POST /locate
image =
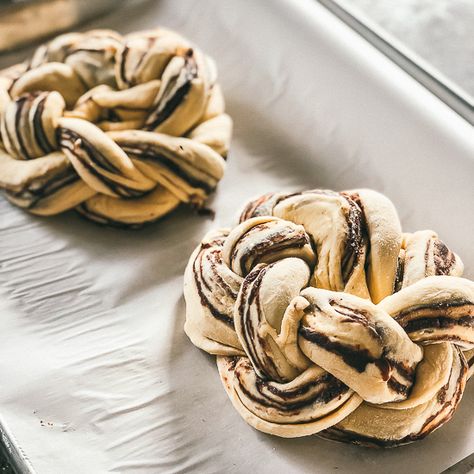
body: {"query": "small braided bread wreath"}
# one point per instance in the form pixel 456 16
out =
pixel 120 128
pixel 326 319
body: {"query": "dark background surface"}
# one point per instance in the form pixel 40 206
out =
pixel 5 467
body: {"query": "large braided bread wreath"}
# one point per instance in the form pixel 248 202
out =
pixel 326 319
pixel 120 128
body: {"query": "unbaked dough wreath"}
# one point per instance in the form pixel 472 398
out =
pixel 120 128
pixel 325 318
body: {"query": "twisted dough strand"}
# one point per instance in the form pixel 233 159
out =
pixel 122 129
pixel 326 319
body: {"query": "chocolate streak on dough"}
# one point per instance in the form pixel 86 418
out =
pixel 274 242
pixel 265 364
pixel 356 358
pixel 204 300
pixel 270 200
pixel 346 436
pixel 276 245
pixel 339 434
pixel 332 388
pixel 179 96
pixel 470 361
pixel 84 211
pixel 440 322
pixel 170 106
pixel 326 396
pixel 20 103
pixel 360 358
pixel 68 176
pixel 397 284
pixel 26 102
pixel 147 154
pixel 97 158
pixel 251 208
pixel 357 238
pixel 88 148
pixel 125 51
pixel 40 136
pixel 437 316
pixel 256 228
pixel 358 316
pixel 361 317
pixel 444 259
pixel 217 257
pixel 150 42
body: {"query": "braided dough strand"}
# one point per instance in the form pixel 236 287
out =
pixel 326 319
pixel 124 128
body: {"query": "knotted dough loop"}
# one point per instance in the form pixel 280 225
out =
pixel 326 319
pixel 120 128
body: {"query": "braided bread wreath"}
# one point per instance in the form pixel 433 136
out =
pixel 326 319
pixel 122 129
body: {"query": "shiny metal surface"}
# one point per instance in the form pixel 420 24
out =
pixel 420 69
pixel 438 31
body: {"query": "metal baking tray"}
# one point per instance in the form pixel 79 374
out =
pixel 101 377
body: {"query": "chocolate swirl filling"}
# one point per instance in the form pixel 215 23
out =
pixel 252 208
pixel 40 189
pixel 443 258
pixel 437 316
pixel 24 124
pixel 84 211
pixel 269 394
pixel 211 252
pixel 86 153
pixel 263 206
pixel 22 103
pixel 40 136
pixel 357 238
pixel 447 399
pixel 399 377
pixel 270 248
pixel 149 153
pixel 397 284
pixel 175 93
pixel 264 365
pixel 123 62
